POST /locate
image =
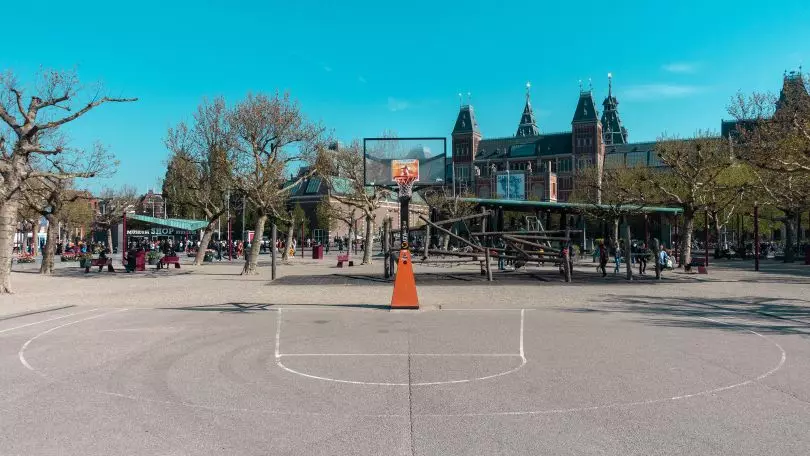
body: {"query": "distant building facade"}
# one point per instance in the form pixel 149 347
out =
pixel 533 165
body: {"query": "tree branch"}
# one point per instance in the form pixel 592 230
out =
pixel 84 110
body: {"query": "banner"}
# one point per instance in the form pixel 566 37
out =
pixel 511 186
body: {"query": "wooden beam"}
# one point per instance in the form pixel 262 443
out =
pixel 452 235
pixel 459 219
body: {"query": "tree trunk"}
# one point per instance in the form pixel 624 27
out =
pixel 24 243
pixel 50 247
pixel 368 240
pixel 790 234
pixel 445 242
pixel 616 232
pixel 206 239
pixel 250 264
pixel 8 226
pixel 686 237
pixel 715 221
pixel 110 239
pixel 290 231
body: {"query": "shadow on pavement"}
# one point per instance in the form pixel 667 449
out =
pixel 246 307
pixel 760 314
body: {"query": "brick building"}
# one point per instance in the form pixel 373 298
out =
pixel 532 165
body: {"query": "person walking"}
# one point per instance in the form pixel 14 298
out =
pixel 603 258
pixel 643 254
pixel 661 259
pixel 617 258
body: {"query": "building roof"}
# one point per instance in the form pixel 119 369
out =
pixel 522 146
pixel 569 206
pixel 586 108
pixel 465 121
pixel 180 224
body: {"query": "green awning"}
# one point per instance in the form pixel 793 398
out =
pixel 179 224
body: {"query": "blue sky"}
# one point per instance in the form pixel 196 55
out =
pixel 365 67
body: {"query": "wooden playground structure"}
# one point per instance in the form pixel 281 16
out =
pixel 479 246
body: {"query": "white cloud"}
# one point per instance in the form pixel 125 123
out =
pixel 395 104
pixel 361 79
pixel 680 67
pixel 327 68
pixel 646 92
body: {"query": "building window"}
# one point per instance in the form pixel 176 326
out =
pixel 313 185
pixel 564 165
pixel 462 173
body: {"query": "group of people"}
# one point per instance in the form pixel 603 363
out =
pixel 639 253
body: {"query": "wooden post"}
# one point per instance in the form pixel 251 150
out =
pixel 756 236
pixel 386 242
pixel 487 260
pixel 566 259
pixel 391 260
pixel 628 257
pixel 273 238
pixel 426 241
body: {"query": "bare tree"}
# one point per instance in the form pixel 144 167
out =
pixel 773 136
pixel 48 197
pixel 198 175
pixel 113 203
pixel 271 135
pixel 692 178
pixel 613 193
pixel 449 205
pixel 30 125
pixel 347 186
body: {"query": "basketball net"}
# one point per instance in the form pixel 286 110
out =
pixel 405 184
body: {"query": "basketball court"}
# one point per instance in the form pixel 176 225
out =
pixel 358 380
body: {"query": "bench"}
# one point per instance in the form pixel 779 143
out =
pixel 100 262
pixel 344 258
pixel 167 260
pixel 700 264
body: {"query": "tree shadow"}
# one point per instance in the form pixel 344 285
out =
pixel 765 315
pixel 247 307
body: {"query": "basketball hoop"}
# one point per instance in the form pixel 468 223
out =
pixel 405 184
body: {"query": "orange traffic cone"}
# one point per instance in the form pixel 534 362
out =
pixel 404 285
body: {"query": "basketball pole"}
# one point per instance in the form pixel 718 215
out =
pixel 404 296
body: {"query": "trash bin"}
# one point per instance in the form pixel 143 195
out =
pixel 317 252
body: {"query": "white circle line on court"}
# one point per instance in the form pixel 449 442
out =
pixel 47 320
pixel 279 355
pixel 750 381
pixel 426 415
pixel 21 353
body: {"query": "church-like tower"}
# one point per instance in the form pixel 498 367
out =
pixel 528 124
pixel 586 130
pixel 466 137
pixel 613 131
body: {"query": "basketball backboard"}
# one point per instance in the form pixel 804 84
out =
pixel 387 158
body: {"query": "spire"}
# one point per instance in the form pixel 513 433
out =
pixel 793 88
pixel 586 108
pixel 528 124
pixel 612 129
pixel 465 121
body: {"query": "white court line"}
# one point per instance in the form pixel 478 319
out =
pixel 522 315
pixel 279 355
pixel 778 366
pixel 503 355
pixel 21 353
pixel 49 319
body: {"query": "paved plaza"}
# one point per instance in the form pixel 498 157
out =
pixel 201 360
